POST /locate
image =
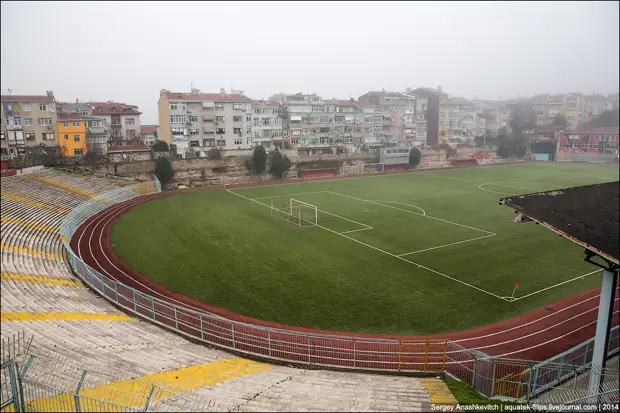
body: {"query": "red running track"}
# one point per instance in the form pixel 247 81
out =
pixel 536 335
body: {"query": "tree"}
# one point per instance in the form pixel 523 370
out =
pixel 523 118
pixel 415 156
pixel 163 170
pixel 215 153
pixel 560 120
pixel 280 164
pixel 259 160
pixel 607 119
pixel 160 146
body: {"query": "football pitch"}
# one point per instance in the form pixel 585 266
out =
pixel 411 253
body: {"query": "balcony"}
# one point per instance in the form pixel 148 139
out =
pixel 208 129
pixel 116 125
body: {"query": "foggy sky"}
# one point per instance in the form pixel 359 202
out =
pixel 129 51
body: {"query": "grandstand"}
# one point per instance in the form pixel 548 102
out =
pixel 87 351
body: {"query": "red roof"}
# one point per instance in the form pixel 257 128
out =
pixel 27 98
pixel 216 97
pixel 106 108
pixel 343 102
pixel 264 103
pixel 123 148
pixel 369 105
pixel 69 116
pixel 148 129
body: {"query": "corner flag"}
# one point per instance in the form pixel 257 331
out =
pixel 516 286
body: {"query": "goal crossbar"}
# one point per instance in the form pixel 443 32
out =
pixel 300 206
pixel 380 166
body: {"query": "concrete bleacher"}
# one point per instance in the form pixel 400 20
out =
pixel 74 327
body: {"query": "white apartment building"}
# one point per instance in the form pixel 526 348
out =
pixel 267 122
pixel 120 120
pixel 198 122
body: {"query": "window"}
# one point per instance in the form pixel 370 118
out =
pixel 256 121
pixel 66 137
pixel 219 118
pixel 130 121
pixel 193 119
pixel 249 141
pixel 78 151
pixel 26 107
pixel 76 124
pixel 221 142
pixel 339 119
pixel 258 111
pixel 238 141
pixel 178 131
pixel 2 136
pixel 266 121
pixel 220 131
pixel 194 144
pixel 238 106
pixel 65 124
pixel 45 121
pixel 178 118
pixel 18 121
pixel 237 118
pixel 208 142
pixel 43 107
pixel 177 106
pixel 194 132
pixel 84 112
pixel 131 133
pixel 237 130
pixel 219 106
pixel 76 138
pixel 248 118
pixel 317 109
pixel 30 136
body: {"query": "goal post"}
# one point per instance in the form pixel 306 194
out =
pixel 298 212
pixel 373 167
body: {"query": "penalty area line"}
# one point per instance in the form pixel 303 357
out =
pixel 446 245
pixel 285 195
pixel 354 230
pixel 386 252
pixel 557 285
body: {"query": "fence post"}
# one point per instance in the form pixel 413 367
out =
pixel 309 362
pixel 176 318
pixel 354 352
pixel 148 398
pixel 269 341
pixel 133 294
pixel 529 387
pixel 14 391
pixel 202 331
pixel 27 365
pixel 473 378
pixel 575 381
pixel 232 332
pixel 153 307
pixel 585 354
pixel 493 379
pixel 116 291
pixel 76 396
pixel 20 386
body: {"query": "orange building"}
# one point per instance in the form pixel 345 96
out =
pixel 72 134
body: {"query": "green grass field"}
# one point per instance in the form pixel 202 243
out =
pixel 416 253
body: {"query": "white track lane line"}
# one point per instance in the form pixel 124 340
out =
pixel 386 252
pixel 414 213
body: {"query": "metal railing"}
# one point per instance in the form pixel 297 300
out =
pixel 492 377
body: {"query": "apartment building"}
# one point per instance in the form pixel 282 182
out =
pixel 27 121
pixel 398 114
pixel 198 122
pixel 458 119
pixel 267 125
pixel 120 120
pixel 72 131
pixel 148 134
pixel 97 134
pixel 428 101
pixel 370 124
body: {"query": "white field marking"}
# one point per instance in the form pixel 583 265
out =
pixel 402 203
pixel 594 297
pixel 284 196
pixel 446 245
pixel 385 252
pixel 414 213
pixel 537 331
pixel 557 285
pixel 355 230
pixel 547 341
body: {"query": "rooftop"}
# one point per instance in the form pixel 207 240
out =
pixel 215 97
pixel 587 215
pixel 27 98
pixel 148 129
pixel 113 108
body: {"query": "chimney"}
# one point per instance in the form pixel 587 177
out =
pixel 439 88
pixel 222 91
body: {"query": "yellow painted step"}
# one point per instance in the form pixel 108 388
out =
pixel 28 224
pixel 40 279
pixel 58 315
pixel 30 251
pixel 33 202
pixel 58 184
pixel 438 392
pixel 123 394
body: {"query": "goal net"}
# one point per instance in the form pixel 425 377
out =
pixel 298 212
pixel 372 167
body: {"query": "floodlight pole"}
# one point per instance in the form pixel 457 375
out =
pixel 603 326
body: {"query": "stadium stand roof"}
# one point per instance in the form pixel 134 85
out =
pixel 587 215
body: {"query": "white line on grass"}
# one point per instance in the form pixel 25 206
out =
pixel 414 213
pixel 355 230
pixel 446 245
pixel 385 252
pixel 402 203
pixel 283 196
pixel 557 285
